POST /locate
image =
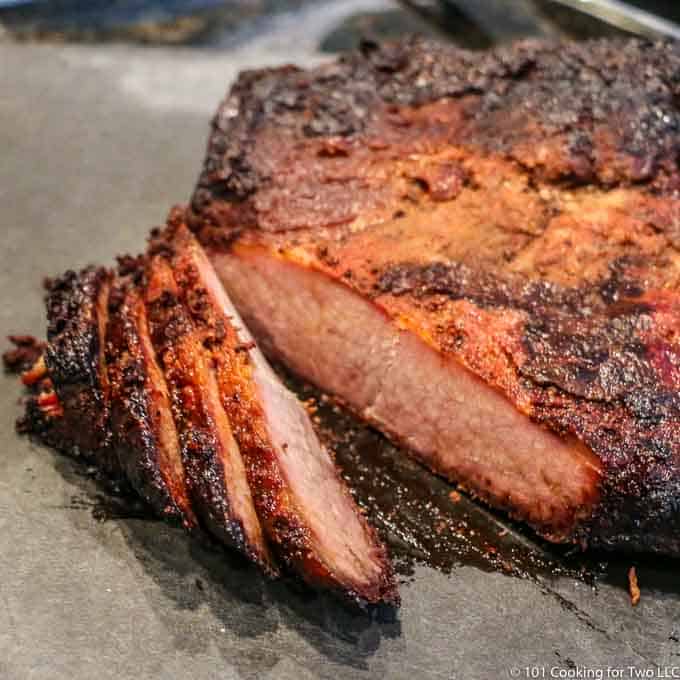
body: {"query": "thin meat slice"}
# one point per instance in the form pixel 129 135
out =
pixel 215 471
pixel 306 509
pixel 141 418
pixel 73 398
pixel 452 421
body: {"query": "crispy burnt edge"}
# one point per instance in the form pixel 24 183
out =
pixel 42 410
pixel 24 355
pixel 569 92
pixel 68 403
pixel 71 404
pixel 284 526
pixel 170 325
pixel 76 312
pixel 133 422
pixel 588 371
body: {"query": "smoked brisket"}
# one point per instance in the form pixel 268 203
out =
pixel 478 252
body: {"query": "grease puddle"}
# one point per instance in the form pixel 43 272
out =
pixel 426 520
pixel 422 517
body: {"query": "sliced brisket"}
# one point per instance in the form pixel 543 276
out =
pixel 307 512
pixel 214 467
pixel 478 252
pixel 71 375
pixel 150 374
pixel 144 433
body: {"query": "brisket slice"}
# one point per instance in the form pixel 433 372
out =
pixel 478 253
pixel 306 510
pixel 142 425
pixel 214 468
pixel 73 368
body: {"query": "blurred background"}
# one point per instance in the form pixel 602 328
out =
pixel 327 26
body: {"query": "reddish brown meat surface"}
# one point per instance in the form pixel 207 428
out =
pixel 477 252
pixel 456 424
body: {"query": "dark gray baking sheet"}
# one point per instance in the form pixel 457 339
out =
pixel 95 145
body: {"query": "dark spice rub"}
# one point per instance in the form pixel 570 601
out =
pixel 477 252
pixel 74 364
pixel 295 144
pixel 143 430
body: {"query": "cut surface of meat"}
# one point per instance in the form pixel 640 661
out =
pixel 455 423
pixel 143 429
pixel 477 252
pixel 308 514
pixel 214 467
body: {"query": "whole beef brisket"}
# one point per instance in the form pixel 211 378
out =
pixel 479 254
